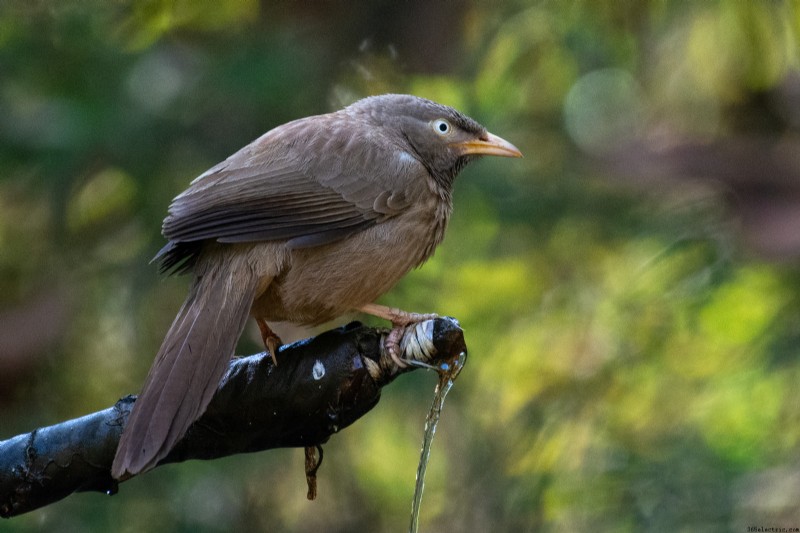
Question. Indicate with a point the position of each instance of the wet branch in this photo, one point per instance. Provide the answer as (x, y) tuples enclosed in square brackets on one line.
[(320, 386)]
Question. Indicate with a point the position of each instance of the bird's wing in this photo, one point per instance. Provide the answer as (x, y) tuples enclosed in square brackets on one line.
[(310, 182)]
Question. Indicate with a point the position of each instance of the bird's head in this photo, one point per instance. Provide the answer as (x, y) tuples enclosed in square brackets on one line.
[(443, 139)]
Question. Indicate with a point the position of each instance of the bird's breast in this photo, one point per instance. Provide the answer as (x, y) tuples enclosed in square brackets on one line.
[(321, 283)]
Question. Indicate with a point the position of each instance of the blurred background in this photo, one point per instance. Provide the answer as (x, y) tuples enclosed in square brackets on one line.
[(630, 290)]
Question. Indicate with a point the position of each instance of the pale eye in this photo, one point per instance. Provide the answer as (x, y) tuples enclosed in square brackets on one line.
[(441, 126)]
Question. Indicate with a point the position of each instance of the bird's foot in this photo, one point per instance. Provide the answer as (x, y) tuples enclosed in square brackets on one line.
[(400, 321), (271, 340)]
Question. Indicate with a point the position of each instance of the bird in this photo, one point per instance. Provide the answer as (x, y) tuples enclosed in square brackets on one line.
[(315, 219)]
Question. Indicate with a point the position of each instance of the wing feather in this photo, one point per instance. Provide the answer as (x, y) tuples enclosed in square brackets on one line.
[(305, 182)]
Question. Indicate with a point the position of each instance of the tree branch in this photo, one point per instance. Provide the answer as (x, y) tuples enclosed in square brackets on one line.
[(320, 386)]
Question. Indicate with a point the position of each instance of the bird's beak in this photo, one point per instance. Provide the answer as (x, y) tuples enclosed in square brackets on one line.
[(488, 144)]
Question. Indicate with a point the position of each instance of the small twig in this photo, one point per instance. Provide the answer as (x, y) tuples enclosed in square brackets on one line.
[(312, 465)]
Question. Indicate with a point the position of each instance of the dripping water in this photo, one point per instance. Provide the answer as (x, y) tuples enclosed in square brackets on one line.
[(447, 375)]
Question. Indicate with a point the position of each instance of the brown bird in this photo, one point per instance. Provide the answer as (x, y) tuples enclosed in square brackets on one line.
[(314, 219)]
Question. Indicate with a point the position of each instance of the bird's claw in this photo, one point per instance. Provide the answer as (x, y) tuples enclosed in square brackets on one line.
[(392, 346), (400, 321), (271, 340)]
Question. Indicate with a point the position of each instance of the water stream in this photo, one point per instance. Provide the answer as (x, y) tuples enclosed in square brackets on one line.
[(448, 372)]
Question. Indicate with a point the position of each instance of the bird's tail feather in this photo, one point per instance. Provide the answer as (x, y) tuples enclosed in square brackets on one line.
[(187, 370)]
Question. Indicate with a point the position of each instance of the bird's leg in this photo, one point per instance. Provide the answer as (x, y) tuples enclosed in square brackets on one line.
[(399, 319), (271, 341)]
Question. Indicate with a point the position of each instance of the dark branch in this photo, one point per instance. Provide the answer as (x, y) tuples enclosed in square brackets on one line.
[(320, 386)]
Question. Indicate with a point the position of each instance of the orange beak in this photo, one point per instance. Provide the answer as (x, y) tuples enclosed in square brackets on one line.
[(488, 144)]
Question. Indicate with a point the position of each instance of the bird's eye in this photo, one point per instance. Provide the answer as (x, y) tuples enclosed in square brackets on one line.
[(441, 126)]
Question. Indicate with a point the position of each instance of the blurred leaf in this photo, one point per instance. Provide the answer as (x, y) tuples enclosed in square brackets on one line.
[(149, 20)]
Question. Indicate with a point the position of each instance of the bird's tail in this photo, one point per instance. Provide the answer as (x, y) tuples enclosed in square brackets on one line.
[(187, 370)]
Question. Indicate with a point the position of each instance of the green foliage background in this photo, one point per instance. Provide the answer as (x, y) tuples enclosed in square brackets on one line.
[(632, 367)]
